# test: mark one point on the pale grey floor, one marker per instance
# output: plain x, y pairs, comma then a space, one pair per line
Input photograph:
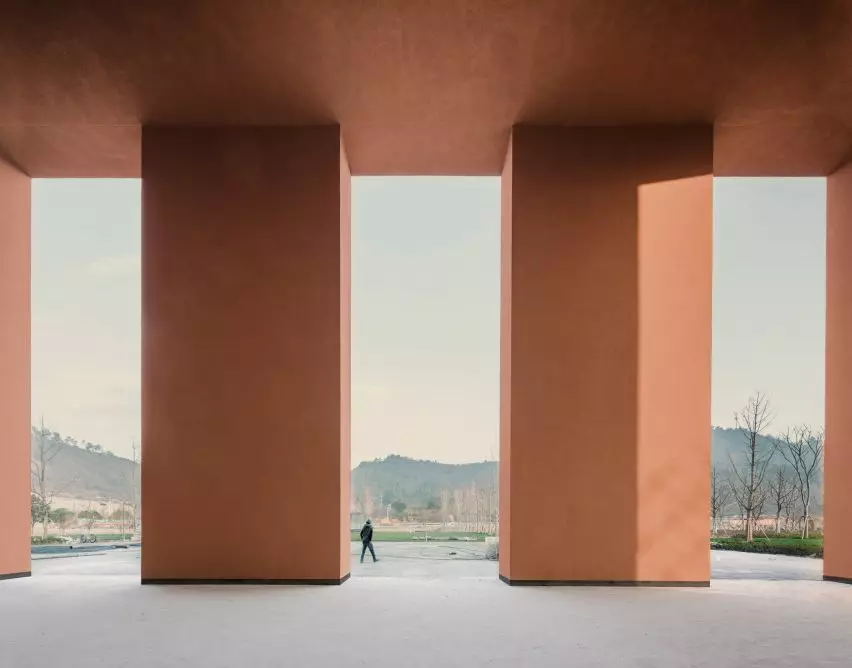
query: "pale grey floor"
742, 566
90, 611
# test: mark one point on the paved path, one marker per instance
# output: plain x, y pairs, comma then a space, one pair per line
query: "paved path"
90, 612
443, 561
727, 565
431, 560
49, 551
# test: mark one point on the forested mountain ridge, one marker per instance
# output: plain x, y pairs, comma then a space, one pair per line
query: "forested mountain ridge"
87, 470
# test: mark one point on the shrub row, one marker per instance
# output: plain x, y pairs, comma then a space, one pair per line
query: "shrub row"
783, 536
804, 549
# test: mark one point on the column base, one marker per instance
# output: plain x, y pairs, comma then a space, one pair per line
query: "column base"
14, 576
833, 578
603, 583
244, 581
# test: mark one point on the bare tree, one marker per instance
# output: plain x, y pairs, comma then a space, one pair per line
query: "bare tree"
46, 447
720, 496
367, 505
748, 479
496, 513
781, 490
445, 506
802, 448
136, 486
472, 495
130, 495
458, 505
493, 501
791, 507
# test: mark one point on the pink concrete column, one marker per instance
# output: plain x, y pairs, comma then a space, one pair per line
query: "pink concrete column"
245, 368
15, 444
837, 565
605, 356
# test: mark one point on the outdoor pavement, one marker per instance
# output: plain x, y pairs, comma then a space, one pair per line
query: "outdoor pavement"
435, 560
432, 560
408, 610
728, 565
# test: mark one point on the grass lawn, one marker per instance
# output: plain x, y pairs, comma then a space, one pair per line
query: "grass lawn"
789, 545
405, 536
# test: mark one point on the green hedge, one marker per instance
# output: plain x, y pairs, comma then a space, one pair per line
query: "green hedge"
56, 540
794, 547
405, 536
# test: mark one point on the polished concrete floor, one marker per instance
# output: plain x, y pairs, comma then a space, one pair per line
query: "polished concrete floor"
414, 610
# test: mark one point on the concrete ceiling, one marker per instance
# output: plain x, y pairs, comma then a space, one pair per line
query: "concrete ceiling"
425, 86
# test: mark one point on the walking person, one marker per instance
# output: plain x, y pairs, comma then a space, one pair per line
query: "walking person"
367, 541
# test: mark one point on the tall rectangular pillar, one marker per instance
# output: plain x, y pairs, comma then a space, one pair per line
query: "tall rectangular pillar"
245, 355
605, 356
837, 494
15, 446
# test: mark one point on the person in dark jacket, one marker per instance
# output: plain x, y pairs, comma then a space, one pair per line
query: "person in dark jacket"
367, 540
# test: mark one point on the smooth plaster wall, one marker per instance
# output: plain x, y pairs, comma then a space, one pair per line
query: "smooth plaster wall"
245, 353
606, 336
15, 447
838, 376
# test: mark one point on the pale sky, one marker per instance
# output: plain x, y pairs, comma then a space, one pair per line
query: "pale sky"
425, 343
769, 297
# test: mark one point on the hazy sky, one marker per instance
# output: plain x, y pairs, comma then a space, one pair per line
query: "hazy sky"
769, 297
86, 309
425, 345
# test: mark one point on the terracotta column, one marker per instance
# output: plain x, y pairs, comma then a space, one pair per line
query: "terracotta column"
15, 444
837, 564
605, 356
245, 360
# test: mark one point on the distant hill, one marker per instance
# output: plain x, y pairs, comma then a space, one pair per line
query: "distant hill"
85, 470
88, 471
417, 482
730, 441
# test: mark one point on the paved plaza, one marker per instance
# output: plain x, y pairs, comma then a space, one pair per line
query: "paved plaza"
434, 561
423, 606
